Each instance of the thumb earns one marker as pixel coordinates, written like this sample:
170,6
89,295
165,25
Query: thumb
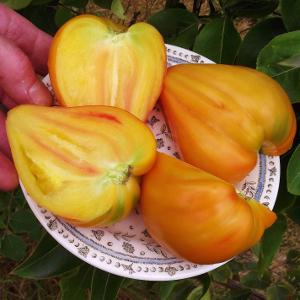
8,174
17,77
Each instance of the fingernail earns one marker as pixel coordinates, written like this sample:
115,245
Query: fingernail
39,94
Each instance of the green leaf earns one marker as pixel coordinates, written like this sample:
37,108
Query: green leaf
13,247
293,173
249,8
237,294
293,212
94,282
218,40
170,290
294,277
166,288
250,265
37,233
202,290
278,292
23,221
206,296
4,200
178,26
49,259
42,16
259,36
138,289
174,290
183,289
221,274
255,280
18,196
197,294
255,249
185,39
282,47
103,3
296,107
270,243
16,4
76,3
290,10
62,15
75,287
118,9
293,61
235,266
104,285
284,200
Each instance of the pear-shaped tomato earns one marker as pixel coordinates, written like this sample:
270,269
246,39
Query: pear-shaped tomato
221,116
198,216
95,61
81,163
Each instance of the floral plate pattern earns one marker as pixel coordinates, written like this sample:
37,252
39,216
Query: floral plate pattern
126,248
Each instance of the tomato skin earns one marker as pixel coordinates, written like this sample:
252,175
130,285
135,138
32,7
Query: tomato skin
82,163
94,61
221,116
198,216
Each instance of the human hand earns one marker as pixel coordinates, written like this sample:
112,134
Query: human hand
23,53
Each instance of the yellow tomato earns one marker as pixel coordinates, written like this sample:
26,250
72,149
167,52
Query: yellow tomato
81,163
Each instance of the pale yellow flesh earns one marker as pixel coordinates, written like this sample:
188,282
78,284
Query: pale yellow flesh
94,62
80,167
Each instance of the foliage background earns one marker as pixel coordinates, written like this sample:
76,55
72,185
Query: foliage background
262,34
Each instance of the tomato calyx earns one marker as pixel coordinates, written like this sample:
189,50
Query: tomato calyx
118,174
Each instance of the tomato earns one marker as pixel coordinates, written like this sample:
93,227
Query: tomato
81,163
221,116
198,216
95,61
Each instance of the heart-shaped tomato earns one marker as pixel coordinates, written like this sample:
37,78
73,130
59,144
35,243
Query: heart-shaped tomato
95,61
222,115
81,163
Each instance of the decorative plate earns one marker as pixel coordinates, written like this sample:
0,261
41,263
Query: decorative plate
126,248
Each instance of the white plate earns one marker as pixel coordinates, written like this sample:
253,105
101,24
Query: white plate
126,249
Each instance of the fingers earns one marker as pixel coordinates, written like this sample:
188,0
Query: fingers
34,42
4,145
17,77
8,102
23,48
8,174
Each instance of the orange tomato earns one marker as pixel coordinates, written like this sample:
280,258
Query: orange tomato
198,216
221,116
